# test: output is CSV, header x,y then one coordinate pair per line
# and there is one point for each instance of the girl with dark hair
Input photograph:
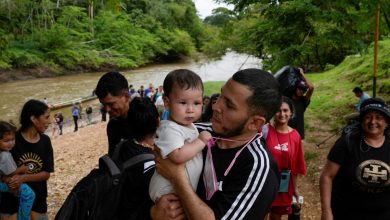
x,y
208,113
33,149
285,145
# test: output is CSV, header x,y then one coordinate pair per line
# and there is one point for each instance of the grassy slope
x,y
333,96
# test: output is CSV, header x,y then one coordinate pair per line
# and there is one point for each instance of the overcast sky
x,y
205,7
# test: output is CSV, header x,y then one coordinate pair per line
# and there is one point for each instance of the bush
x,y
329,66
24,58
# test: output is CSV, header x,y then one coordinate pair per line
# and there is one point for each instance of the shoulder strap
x,y
106,162
115,155
137,159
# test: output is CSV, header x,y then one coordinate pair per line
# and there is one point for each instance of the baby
x,y
8,168
177,137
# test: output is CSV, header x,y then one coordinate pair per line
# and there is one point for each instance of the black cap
x,y
374,104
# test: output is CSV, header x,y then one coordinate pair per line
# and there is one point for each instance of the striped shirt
x,y
248,190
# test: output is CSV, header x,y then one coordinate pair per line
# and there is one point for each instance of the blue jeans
x,y
26,200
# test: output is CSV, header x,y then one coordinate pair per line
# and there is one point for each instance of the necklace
x,y
144,144
369,146
380,143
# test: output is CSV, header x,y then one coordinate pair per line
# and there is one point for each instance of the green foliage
x,y
306,33
91,34
23,58
220,17
181,43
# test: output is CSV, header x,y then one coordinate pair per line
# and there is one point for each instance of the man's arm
x,y
113,136
310,85
193,206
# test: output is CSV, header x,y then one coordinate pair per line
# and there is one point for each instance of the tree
x,y
309,33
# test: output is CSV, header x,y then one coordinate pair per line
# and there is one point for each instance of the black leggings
x,y
75,118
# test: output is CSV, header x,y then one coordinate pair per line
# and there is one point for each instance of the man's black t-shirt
x,y
117,129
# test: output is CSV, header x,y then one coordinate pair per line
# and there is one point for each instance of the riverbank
x,y
47,71
17,74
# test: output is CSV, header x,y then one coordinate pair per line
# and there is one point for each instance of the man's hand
x,y
168,207
167,168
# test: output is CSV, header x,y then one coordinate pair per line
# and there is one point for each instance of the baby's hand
x,y
205,136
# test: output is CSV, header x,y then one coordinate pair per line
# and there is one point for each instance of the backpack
x,y
288,78
97,195
349,132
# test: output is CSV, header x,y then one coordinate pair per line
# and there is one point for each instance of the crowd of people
x,y
236,154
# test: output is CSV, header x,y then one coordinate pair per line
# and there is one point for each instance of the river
x,y
64,88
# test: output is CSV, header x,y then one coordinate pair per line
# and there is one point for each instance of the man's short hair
x,y
112,83
357,90
184,79
266,95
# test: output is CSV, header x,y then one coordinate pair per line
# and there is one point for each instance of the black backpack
x,y
350,132
97,195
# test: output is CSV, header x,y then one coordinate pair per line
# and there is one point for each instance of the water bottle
x,y
296,209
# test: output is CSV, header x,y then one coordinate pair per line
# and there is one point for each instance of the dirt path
x,y
76,153
316,132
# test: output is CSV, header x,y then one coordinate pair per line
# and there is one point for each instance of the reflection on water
x,y
64,88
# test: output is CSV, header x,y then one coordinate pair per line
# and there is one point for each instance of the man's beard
x,y
234,131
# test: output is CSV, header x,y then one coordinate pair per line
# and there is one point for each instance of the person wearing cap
x,y
355,182
301,99
361,95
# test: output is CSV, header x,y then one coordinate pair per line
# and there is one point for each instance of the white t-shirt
x,y
171,136
7,163
159,101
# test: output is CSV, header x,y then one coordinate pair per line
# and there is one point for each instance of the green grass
x,y
212,87
333,97
310,156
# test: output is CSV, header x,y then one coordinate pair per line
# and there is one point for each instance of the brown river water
x,y
65,88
